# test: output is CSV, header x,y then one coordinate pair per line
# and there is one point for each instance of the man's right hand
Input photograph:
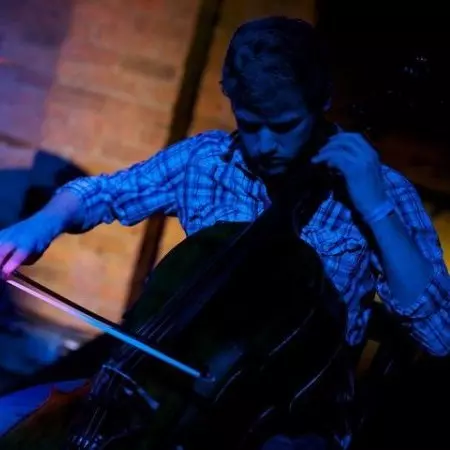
x,y
24,243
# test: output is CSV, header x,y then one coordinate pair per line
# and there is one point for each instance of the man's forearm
x,y
407,271
64,212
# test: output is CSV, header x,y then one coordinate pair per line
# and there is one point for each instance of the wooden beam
x,y
208,16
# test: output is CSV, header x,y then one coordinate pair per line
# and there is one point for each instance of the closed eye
x,y
249,127
277,127
285,127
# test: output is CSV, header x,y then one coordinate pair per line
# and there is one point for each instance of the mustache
x,y
267,162
266,159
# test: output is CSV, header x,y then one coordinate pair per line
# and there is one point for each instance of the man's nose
x,y
267,144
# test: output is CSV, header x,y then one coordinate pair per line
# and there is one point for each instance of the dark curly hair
x,y
272,55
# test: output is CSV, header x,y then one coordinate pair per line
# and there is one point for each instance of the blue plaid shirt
x,y
203,180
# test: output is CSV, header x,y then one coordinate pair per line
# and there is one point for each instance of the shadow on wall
x,y
28,179
31,35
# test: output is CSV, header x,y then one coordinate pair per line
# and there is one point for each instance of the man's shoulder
x,y
206,144
209,139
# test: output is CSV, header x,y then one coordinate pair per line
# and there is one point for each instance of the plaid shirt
x,y
203,180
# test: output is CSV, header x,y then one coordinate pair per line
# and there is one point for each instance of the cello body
x,y
264,343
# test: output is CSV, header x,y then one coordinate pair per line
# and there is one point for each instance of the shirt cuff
x,y
435,295
80,186
81,189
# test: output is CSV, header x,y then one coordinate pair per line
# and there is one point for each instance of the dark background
x,y
392,59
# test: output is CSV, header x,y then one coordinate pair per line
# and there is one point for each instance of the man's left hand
x,y
358,162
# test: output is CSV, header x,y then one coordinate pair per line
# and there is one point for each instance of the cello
x,y
221,344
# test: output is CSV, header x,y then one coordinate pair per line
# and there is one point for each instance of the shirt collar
x,y
233,154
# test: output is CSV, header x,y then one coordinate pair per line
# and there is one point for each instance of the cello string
x,y
183,295
126,357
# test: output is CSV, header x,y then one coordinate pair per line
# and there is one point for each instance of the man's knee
x,y
16,406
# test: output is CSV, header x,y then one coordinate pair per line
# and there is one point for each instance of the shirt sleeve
x,y
133,194
428,318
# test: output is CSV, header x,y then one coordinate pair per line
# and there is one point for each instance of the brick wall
x,y
96,82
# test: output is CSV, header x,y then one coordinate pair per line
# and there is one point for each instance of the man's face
x,y
272,137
